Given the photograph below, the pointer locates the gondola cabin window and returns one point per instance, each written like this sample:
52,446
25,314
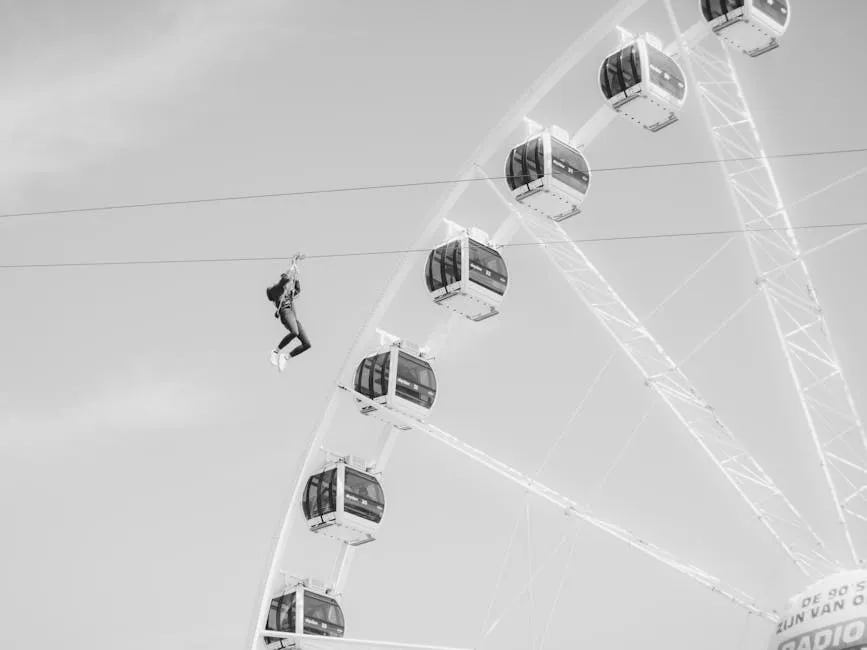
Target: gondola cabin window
569,166
444,266
666,74
776,10
415,380
281,616
322,616
526,164
363,496
320,495
630,67
487,268
371,378
712,9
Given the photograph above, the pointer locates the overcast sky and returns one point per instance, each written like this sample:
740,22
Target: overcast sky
147,447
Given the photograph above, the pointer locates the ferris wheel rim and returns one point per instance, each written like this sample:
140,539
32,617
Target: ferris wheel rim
573,55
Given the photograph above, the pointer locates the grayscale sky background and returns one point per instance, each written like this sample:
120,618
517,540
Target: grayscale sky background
147,448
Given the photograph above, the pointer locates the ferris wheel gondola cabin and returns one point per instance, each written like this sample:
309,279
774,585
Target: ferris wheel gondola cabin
467,275
548,175
344,501
303,609
643,83
752,26
399,379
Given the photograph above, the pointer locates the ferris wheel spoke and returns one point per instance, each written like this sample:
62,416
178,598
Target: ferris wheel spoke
569,507
530,593
558,593
701,267
834,423
506,555
621,453
666,377
573,534
831,241
518,595
692,35
828,187
716,331
341,567
575,413
486,630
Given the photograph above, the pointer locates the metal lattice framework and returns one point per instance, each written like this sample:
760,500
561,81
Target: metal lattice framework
784,279
661,373
571,508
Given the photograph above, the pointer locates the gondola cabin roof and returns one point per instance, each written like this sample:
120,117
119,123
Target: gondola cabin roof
547,175
344,501
752,26
643,83
397,379
467,275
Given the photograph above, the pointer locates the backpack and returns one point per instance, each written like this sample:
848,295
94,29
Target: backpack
274,292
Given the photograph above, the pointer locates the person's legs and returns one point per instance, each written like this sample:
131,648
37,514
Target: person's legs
287,317
290,322
285,341
305,342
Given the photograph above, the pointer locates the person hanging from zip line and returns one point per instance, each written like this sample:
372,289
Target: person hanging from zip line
283,295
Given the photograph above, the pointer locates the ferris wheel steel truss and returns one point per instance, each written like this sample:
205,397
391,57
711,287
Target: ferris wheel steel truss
570,508
730,455
661,373
784,279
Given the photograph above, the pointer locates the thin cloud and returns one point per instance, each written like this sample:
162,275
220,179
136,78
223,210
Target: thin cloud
55,123
149,404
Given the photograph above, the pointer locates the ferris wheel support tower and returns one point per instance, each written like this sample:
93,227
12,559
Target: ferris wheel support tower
783,278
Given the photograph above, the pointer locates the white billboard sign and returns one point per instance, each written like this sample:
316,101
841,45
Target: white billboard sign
829,615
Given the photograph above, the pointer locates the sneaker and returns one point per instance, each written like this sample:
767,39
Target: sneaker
274,356
281,362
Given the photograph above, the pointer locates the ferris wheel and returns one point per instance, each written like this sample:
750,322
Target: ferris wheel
391,383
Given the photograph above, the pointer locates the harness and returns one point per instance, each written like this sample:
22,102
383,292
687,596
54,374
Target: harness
291,287
287,299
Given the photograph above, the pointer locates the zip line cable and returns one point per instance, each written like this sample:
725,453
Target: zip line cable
589,240
391,186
